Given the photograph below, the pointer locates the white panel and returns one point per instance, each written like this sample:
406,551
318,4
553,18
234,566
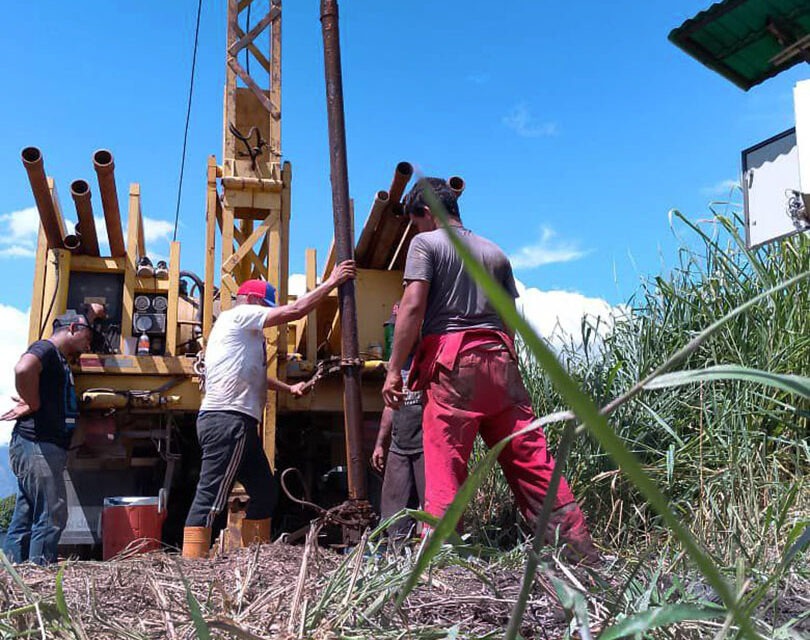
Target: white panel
770,174
801,103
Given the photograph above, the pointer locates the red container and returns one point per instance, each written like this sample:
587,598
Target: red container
127,520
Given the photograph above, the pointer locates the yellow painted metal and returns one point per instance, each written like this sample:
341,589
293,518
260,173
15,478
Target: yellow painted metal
55,289
174,290
95,264
35,317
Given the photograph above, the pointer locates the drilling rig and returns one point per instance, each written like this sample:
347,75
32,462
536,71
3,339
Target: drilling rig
135,436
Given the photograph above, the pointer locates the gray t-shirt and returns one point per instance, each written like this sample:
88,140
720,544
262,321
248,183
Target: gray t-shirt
455,302
406,431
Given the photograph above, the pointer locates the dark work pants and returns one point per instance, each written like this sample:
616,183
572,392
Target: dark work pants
231,450
403,488
40,513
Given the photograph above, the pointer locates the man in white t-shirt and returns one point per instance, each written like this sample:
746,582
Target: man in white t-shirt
236,386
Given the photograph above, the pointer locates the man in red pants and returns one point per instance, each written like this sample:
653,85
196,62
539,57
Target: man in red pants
467,367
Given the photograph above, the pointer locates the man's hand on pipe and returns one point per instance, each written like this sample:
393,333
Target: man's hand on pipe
346,270
392,392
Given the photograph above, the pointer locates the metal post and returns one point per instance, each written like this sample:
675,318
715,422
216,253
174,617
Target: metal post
352,406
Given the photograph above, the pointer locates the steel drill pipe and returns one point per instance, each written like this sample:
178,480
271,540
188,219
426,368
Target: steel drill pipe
34,165
456,184
73,241
352,402
86,225
378,207
402,175
105,170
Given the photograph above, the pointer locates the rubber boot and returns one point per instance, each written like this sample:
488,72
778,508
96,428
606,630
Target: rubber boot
255,531
196,542
567,527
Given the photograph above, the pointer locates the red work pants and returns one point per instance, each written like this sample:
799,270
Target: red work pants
484,393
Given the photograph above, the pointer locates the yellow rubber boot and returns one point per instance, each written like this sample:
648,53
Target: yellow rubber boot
196,542
255,531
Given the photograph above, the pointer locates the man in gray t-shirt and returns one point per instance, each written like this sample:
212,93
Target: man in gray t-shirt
466,365
459,304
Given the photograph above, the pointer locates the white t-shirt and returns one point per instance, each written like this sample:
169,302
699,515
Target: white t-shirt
235,368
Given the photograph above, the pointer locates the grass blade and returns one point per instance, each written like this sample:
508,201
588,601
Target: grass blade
791,383
657,617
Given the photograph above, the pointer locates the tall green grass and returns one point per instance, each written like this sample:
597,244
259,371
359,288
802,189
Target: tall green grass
733,456
635,457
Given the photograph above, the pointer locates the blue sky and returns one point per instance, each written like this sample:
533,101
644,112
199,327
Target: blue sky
576,125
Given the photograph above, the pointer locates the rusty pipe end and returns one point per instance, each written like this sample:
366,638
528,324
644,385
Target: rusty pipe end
79,188
103,160
31,156
382,196
456,184
405,169
72,241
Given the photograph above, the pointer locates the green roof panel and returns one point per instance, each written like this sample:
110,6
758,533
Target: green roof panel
748,41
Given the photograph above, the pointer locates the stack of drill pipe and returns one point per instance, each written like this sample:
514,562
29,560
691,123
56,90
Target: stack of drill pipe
386,232
86,225
105,166
32,160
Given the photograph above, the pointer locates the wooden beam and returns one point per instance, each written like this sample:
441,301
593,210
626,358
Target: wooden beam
251,35
38,298
141,238
275,86
57,207
133,224
260,94
312,318
227,252
212,209
174,290
247,244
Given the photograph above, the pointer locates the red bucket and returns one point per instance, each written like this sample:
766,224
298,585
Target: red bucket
127,520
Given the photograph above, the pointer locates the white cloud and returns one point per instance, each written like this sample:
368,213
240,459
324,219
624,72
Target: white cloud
557,315
13,342
722,188
18,233
548,250
154,229
297,284
17,251
522,122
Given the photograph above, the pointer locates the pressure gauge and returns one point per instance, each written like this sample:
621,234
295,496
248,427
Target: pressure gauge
143,323
160,304
141,303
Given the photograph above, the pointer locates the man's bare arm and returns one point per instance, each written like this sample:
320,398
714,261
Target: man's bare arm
26,379
296,390
409,322
383,440
306,303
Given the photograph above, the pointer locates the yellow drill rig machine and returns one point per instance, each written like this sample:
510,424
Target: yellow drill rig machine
141,387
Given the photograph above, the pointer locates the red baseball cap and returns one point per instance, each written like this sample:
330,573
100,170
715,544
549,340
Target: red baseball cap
259,288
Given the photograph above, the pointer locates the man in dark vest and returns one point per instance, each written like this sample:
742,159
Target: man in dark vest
45,416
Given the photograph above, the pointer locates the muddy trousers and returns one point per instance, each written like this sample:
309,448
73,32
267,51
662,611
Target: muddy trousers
231,450
484,394
403,488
